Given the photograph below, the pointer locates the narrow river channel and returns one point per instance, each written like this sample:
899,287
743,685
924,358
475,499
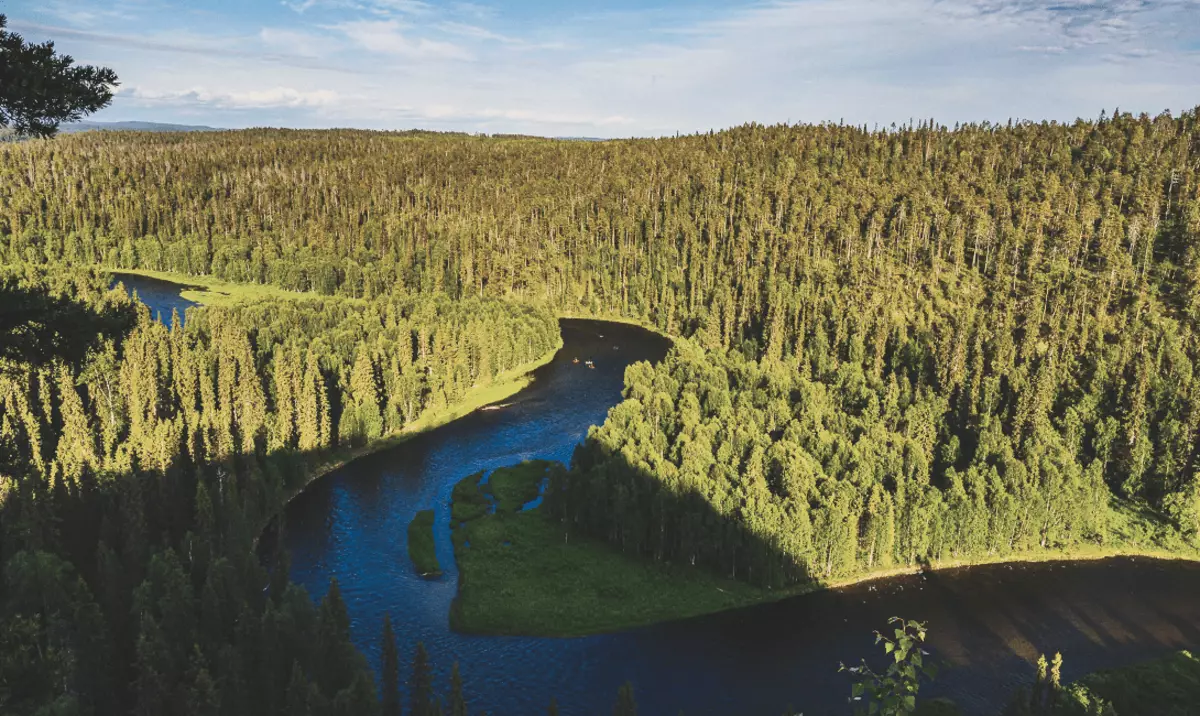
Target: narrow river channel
987,624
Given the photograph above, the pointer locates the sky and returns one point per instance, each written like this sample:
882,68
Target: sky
620,68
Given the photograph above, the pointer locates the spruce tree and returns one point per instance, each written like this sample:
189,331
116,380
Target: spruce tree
390,666
625,705
458,703
420,686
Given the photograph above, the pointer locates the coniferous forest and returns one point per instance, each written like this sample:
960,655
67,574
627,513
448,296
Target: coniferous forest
895,347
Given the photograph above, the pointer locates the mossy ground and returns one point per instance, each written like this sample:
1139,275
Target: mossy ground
420,545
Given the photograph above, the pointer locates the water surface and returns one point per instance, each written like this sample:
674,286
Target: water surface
162,297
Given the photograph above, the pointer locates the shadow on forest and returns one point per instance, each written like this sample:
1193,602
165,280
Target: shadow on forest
642,515
988,624
37,327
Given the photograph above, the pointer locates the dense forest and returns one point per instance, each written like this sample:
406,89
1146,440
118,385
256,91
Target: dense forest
915,344
139,462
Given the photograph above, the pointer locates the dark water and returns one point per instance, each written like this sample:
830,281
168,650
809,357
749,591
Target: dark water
161,296
987,623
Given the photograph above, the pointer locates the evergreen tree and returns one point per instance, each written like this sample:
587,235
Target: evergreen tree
420,685
390,666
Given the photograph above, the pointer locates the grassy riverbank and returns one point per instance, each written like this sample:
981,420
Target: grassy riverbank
420,545
519,574
209,291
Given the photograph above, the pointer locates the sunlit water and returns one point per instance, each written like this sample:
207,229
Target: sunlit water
161,296
987,623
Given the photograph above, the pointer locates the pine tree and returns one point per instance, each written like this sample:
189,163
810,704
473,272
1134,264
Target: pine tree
458,703
625,705
420,686
390,667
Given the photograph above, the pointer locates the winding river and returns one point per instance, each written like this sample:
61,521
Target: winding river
986,623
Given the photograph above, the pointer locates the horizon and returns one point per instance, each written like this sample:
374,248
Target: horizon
623,71
117,125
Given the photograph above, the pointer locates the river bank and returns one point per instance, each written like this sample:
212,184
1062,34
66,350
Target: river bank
521,575
500,388
209,291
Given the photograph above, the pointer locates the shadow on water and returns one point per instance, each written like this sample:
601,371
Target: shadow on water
988,623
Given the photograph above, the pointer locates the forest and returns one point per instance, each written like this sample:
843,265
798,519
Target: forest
138,464
897,346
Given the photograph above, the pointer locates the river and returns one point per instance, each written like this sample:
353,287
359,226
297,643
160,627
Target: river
162,297
988,624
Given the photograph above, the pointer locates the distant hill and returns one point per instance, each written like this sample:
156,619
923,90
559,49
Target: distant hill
132,127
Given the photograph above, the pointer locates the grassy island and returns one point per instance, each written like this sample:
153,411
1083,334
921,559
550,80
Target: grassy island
518,575
420,545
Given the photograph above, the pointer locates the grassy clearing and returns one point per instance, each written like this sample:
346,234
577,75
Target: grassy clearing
518,575
420,545
208,291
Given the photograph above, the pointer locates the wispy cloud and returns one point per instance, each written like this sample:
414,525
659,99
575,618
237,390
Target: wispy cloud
297,42
270,98
376,7
386,37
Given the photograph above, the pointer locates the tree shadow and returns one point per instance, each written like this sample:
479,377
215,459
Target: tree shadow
37,326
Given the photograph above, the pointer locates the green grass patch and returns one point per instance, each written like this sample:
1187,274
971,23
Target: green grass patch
518,575
513,487
420,545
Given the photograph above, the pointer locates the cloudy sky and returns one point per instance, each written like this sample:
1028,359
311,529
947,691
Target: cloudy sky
621,67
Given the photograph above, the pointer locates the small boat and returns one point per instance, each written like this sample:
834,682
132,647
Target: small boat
616,348
590,364
576,360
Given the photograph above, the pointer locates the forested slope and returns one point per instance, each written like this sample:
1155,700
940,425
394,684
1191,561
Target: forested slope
899,324
138,463
915,344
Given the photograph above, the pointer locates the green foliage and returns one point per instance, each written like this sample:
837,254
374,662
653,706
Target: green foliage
1169,686
893,692
162,449
420,685
625,706
389,670
421,546
901,346
40,88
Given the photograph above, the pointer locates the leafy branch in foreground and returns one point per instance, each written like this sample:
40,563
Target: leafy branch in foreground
893,692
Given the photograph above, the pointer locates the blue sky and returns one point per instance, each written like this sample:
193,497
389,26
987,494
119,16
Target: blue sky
616,68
